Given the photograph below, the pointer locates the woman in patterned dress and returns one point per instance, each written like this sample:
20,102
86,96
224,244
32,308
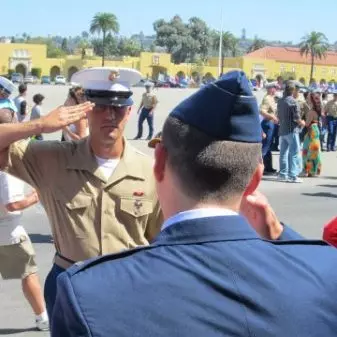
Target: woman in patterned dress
312,146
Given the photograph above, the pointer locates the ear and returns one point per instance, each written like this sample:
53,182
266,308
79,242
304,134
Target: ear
255,181
160,155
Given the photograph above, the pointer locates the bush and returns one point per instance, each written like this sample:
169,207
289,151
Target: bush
36,72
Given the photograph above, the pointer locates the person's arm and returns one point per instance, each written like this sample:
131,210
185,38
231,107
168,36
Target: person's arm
155,103
54,121
23,108
67,319
309,118
264,111
29,200
72,135
297,115
81,128
141,105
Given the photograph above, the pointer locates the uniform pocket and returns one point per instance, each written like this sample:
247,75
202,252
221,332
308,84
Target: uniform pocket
81,200
136,207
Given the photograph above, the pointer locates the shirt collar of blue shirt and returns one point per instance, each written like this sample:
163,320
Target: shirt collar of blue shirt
197,214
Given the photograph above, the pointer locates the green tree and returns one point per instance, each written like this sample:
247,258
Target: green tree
104,23
256,44
234,46
227,38
64,45
37,72
316,44
184,41
128,47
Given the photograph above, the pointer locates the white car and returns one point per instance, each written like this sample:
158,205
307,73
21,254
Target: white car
60,80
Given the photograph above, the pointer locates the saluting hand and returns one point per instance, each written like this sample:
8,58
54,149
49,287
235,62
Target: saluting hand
63,116
256,208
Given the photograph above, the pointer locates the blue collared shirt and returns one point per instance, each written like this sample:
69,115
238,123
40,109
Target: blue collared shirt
197,214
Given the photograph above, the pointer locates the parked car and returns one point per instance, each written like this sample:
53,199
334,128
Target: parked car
45,80
17,78
60,80
28,79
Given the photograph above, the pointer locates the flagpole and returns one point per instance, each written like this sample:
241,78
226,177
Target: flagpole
220,44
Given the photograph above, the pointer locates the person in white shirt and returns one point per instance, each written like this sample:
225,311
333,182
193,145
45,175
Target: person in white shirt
21,103
17,256
37,111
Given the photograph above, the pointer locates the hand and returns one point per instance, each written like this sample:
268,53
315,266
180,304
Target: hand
275,120
63,116
261,216
151,113
34,196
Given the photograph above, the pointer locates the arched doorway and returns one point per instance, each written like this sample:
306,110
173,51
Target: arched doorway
54,71
21,69
71,72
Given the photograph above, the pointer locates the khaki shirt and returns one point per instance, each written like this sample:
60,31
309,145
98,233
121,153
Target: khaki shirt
149,100
331,109
89,215
268,105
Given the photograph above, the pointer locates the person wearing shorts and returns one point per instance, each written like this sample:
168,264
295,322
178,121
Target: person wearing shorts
17,256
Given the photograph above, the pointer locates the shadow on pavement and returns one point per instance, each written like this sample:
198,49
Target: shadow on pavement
328,186
40,238
14,331
329,178
321,194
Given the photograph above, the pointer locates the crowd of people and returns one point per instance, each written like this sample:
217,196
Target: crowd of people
300,126
187,246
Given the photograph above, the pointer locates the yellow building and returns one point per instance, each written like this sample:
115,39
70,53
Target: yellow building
269,62
23,57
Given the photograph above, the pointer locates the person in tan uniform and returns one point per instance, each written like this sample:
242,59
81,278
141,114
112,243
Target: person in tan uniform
146,110
268,110
330,112
99,192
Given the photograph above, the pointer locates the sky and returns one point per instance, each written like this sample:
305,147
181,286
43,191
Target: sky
272,20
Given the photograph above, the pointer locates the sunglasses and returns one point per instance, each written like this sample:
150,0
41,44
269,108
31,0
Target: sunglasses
117,109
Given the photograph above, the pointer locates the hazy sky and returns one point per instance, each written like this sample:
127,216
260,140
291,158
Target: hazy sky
274,20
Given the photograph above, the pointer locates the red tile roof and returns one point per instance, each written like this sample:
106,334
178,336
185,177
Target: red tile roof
287,54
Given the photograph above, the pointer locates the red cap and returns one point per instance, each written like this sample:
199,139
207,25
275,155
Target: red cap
330,232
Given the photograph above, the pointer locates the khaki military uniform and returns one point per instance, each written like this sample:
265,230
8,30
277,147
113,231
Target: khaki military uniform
149,100
89,215
268,105
331,109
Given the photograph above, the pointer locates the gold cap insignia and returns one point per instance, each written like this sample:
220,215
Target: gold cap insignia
114,75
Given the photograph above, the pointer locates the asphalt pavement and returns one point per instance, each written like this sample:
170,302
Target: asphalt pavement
305,207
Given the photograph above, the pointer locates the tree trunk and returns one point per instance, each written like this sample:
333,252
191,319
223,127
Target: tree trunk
312,67
103,51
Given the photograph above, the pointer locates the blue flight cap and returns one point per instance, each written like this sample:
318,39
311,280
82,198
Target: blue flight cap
108,86
224,110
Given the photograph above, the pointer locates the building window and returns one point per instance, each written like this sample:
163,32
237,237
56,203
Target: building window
324,71
333,71
155,60
293,69
283,68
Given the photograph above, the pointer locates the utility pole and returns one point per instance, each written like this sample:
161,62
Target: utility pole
220,44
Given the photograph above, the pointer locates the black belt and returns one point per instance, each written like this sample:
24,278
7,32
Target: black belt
65,258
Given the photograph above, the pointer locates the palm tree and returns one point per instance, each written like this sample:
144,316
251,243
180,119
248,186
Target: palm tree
234,46
105,23
316,44
256,44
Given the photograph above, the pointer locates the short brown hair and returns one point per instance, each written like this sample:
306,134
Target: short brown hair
208,169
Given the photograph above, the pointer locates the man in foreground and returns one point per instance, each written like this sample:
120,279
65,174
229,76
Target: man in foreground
208,273
99,192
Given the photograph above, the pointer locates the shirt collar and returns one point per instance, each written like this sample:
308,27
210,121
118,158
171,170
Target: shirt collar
197,214
82,158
